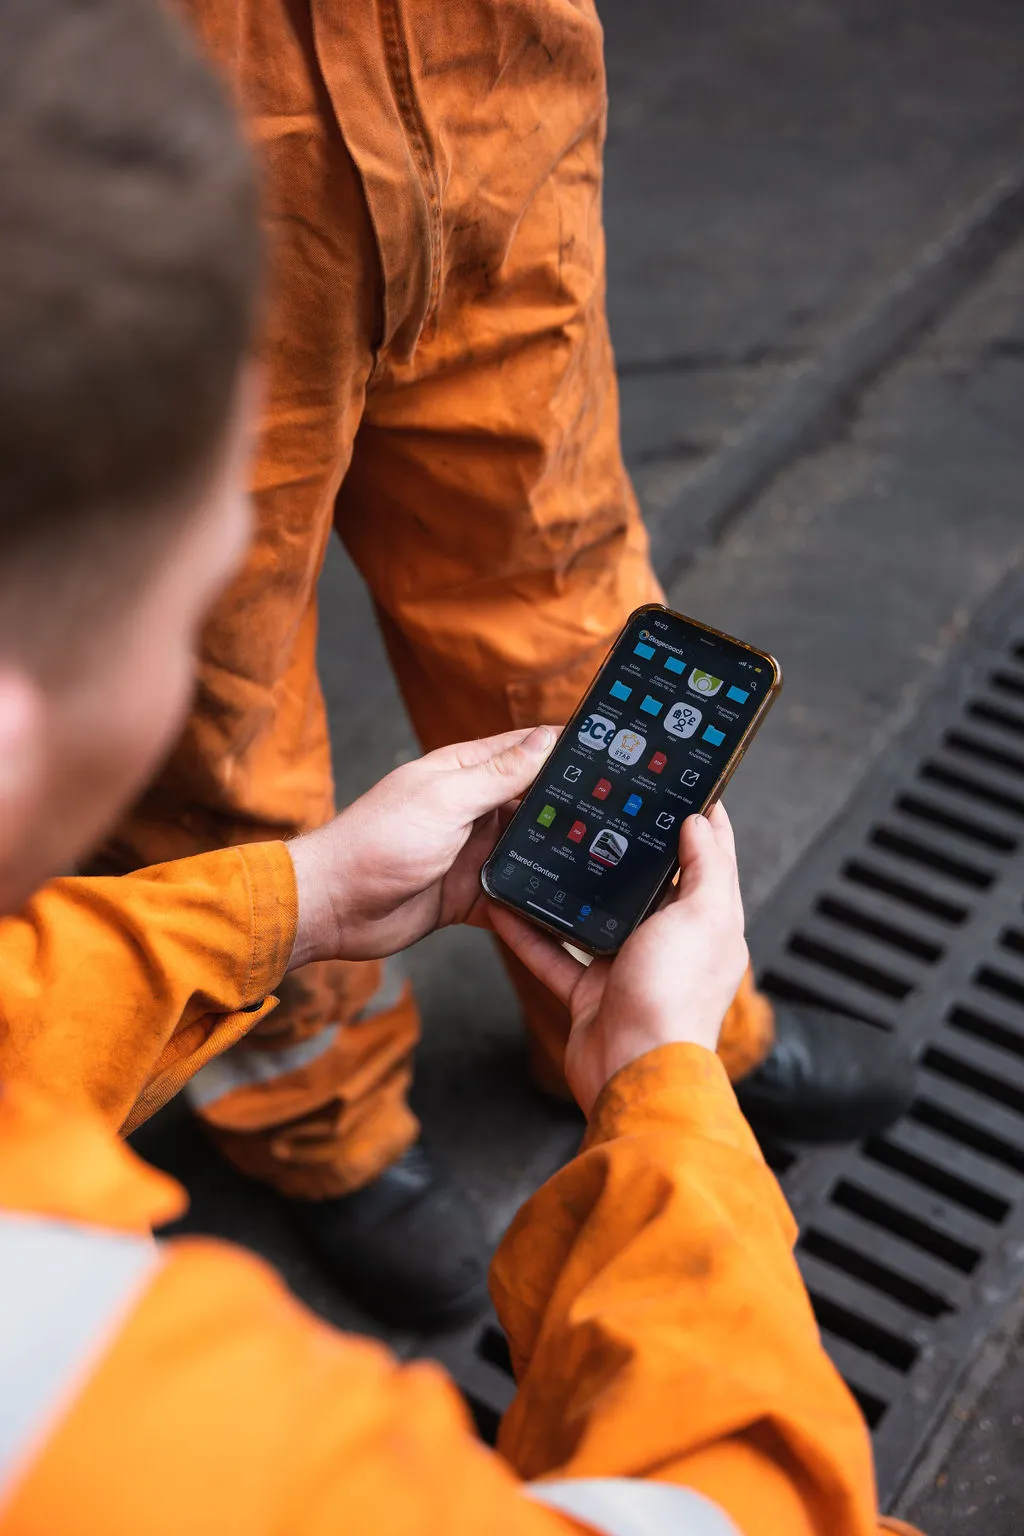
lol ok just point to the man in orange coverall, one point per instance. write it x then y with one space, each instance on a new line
671 1374
441 390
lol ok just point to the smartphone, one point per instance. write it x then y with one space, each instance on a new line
594 844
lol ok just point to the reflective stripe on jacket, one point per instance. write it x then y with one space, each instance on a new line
670 1374
65 1291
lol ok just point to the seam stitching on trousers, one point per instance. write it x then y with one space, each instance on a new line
396 53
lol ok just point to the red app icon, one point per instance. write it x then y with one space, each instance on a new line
602 789
576 832
657 762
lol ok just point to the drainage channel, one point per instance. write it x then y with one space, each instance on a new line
907 915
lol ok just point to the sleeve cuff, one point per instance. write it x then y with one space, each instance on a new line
275 909
680 1088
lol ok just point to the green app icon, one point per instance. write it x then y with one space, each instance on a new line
547 816
704 683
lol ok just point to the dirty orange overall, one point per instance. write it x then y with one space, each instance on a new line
440 390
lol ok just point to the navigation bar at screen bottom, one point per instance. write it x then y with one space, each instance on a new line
539 890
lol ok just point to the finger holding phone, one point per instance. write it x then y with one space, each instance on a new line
405 858
671 982
595 823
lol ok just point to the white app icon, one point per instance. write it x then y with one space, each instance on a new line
704 682
596 731
628 747
665 821
608 847
572 773
682 719
689 776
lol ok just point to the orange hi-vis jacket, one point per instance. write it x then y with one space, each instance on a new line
116 991
670 1375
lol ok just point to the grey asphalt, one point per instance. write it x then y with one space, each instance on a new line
771 174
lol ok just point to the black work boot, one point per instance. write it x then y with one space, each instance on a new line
826 1078
409 1247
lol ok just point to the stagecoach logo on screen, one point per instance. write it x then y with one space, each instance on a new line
596 731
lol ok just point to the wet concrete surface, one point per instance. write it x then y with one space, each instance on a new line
769 170
861 566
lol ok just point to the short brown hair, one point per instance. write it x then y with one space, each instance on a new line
129 258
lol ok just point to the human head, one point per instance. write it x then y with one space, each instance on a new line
128 272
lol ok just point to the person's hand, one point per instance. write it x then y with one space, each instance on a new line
671 982
406 857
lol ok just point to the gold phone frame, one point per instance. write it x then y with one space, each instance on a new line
715 793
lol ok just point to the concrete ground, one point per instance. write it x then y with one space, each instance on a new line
970 1482
783 189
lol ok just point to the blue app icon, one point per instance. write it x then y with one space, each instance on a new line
674 664
652 706
738 695
646 651
715 737
620 691
583 912
633 804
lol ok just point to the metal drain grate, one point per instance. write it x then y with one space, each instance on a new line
908 915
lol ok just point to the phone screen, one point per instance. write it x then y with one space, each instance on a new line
597 835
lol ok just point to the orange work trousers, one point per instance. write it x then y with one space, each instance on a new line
440 390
